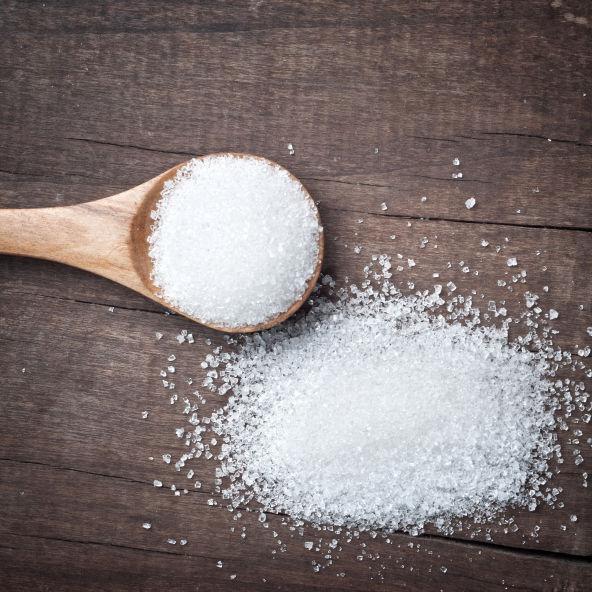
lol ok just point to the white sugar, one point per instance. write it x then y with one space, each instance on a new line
470 203
235 240
405 418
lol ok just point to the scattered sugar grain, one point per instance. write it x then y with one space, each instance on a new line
470 203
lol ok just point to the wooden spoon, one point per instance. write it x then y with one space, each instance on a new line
109 237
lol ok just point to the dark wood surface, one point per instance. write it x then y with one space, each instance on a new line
97 97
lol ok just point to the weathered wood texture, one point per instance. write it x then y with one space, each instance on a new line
98 97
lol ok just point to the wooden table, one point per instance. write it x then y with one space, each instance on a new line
377 99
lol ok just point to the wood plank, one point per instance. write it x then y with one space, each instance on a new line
88 109
90 372
93 526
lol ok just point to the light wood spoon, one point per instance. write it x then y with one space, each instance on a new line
109 237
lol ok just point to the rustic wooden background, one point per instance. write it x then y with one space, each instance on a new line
96 97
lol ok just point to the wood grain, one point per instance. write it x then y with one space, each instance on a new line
98 97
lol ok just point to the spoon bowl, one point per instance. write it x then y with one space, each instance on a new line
109 237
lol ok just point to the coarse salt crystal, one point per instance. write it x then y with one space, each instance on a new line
470 203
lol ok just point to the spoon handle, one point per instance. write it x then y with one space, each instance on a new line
36 232
94 236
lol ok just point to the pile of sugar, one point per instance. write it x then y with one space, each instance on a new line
235 240
381 410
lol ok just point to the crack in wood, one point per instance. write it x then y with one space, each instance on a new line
412 176
84 472
456 220
46 177
448 179
106 305
215 28
434 139
538 137
133 146
104 544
